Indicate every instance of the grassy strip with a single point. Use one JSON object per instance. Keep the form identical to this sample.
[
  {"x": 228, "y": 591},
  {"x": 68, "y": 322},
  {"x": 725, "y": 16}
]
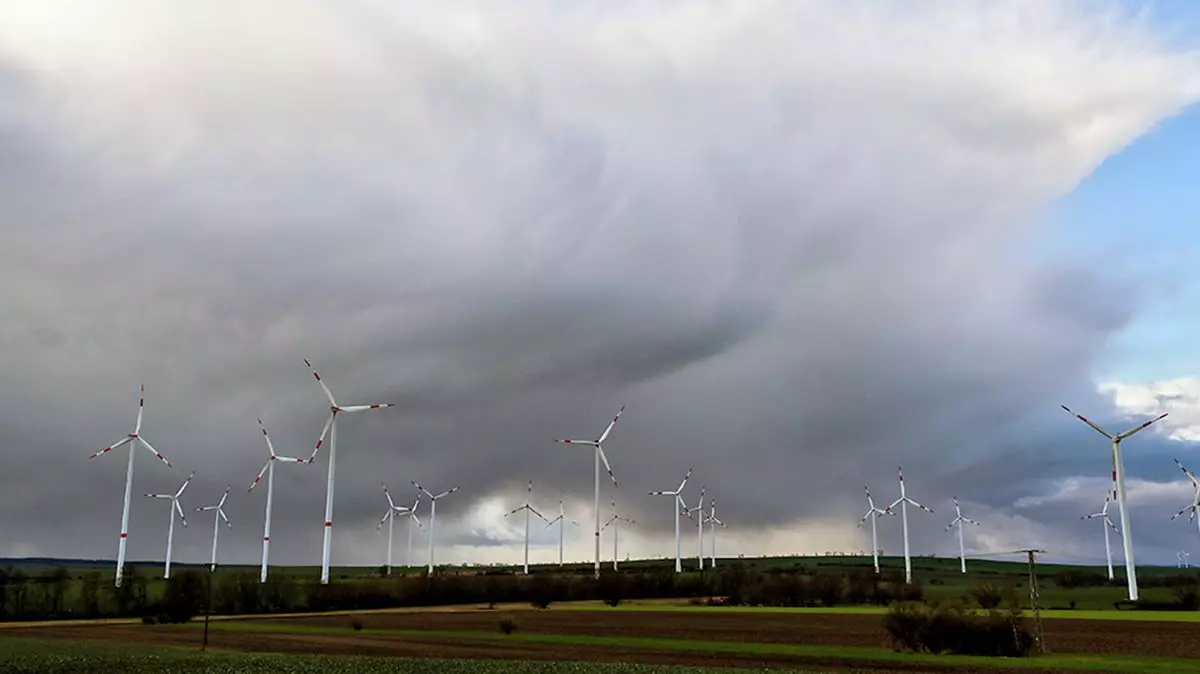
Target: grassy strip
[
  {"x": 58, "y": 656},
  {"x": 851, "y": 655},
  {"x": 1049, "y": 614}
]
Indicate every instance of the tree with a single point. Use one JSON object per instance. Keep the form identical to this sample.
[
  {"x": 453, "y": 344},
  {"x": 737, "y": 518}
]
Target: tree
[{"x": 89, "y": 593}]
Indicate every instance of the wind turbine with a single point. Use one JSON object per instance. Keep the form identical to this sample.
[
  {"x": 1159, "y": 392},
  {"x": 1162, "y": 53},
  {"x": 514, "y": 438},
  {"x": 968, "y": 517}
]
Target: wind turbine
[
  {"x": 1118, "y": 472},
  {"x": 269, "y": 469},
  {"x": 390, "y": 518},
  {"x": 598, "y": 444},
  {"x": 562, "y": 519},
  {"x": 699, "y": 525},
  {"x": 217, "y": 517},
  {"x": 1182, "y": 556},
  {"x": 1191, "y": 509},
  {"x": 874, "y": 512},
  {"x": 134, "y": 437},
  {"x": 904, "y": 502},
  {"x": 433, "y": 514},
  {"x": 530, "y": 509},
  {"x": 175, "y": 508},
  {"x": 614, "y": 522},
  {"x": 960, "y": 520},
  {"x": 677, "y": 505},
  {"x": 331, "y": 429},
  {"x": 1107, "y": 524},
  {"x": 712, "y": 533}
]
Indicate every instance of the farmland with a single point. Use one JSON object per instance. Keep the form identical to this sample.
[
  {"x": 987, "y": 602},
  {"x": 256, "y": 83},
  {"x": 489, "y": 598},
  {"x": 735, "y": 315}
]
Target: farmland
[{"x": 653, "y": 634}]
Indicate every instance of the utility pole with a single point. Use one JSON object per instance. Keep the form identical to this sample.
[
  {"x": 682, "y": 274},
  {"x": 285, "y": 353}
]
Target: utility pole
[{"x": 1038, "y": 634}]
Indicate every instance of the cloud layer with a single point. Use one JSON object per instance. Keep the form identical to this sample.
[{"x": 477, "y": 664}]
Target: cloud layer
[{"x": 790, "y": 237}]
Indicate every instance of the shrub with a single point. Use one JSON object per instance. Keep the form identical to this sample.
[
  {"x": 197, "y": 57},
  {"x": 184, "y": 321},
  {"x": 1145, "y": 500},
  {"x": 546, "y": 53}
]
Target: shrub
[
  {"x": 1072, "y": 604},
  {"x": 1188, "y": 596},
  {"x": 986, "y": 595},
  {"x": 613, "y": 601},
  {"x": 147, "y": 620},
  {"x": 540, "y": 602},
  {"x": 952, "y": 628},
  {"x": 507, "y": 626},
  {"x": 356, "y": 624}
]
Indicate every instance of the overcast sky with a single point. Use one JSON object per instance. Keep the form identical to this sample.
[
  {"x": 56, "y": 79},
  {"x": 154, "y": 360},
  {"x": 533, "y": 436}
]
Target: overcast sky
[{"x": 793, "y": 238}]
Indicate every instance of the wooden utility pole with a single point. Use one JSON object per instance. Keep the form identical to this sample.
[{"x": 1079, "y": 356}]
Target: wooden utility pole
[{"x": 1034, "y": 604}]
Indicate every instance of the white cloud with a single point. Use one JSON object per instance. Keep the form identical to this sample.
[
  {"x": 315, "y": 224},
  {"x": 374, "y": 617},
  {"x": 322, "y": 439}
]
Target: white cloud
[
  {"x": 1087, "y": 493},
  {"x": 1180, "y": 398}
]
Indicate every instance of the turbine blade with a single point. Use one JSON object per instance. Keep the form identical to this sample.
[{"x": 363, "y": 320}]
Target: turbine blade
[
  {"x": 1187, "y": 472},
  {"x": 535, "y": 512},
  {"x": 413, "y": 515},
  {"x": 258, "y": 478},
  {"x": 324, "y": 431},
  {"x": 223, "y": 497},
  {"x": 612, "y": 423},
  {"x": 912, "y": 502},
  {"x": 1087, "y": 421},
  {"x": 1136, "y": 429},
  {"x": 606, "y": 466},
  {"x": 270, "y": 447},
  {"x": 127, "y": 439},
  {"x": 447, "y": 492},
  {"x": 159, "y": 495},
  {"x": 514, "y": 511},
  {"x": 154, "y": 451},
  {"x": 137, "y": 428},
  {"x": 387, "y": 515},
  {"x": 360, "y": 408},
  {"x": 591, "y": 443},
  {"x": 179, "y": 509},
  {"x": 185, "y": 483},
  {"x": 386, "y": 493},
  {"x": 222, "y": 514},
  {"x": 870, "y": 501},
  {"x": 686, "y": 475},
  {"x": 422, "y": 489},
  {"x": 332, "y": 402},
  {"x": 290, "y": 459}
]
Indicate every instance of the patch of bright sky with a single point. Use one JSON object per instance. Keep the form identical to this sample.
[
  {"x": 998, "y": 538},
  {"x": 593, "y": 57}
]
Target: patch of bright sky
[{"x": 1140, "y": 211}]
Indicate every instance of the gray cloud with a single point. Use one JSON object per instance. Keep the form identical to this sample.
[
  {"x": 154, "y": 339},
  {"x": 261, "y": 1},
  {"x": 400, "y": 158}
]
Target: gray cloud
[{"x": 791, "y": 238}]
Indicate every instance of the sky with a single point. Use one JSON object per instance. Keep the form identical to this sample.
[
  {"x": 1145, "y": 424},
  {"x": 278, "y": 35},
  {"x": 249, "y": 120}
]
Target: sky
[{"x": 802, "y": 243}]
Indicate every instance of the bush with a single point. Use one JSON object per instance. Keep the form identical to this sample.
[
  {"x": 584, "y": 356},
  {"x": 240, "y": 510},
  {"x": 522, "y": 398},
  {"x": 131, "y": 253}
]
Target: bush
[
  {"x": 507, "y": 626},
  {"x": 954, "y": 629},
  {"x": 147, "y": 620},
  {"x": 540, "y": 602},
  {"x": 356, "y": 624},
  {"x": 986, "y": 595},
  {"x": 1188, "y": 596}
]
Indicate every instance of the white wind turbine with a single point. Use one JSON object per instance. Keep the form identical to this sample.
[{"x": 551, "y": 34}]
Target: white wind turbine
[
  {"x": 874, "y": 512},
  {"x": 614, "y": 522},
  {"x": 712, "y": 533},
  {"x": 904, "y": 501},
  {"x": 699, "y": 525},
  {"x": 1118, "y": 472},
  {"x": 432, "y": 515},
  {"x": 1107, "y": 524},
  {"x": 390, "y": 518},
  {"x": 175, "y": 508},
  {"x": 530, "y": 509},
  {"x": 1191, "y": 509},
  {"x": 960, "y": 521},
  {"x": 269, "y": 469},
  {"x": 217, "y": 517},
  {"x": 598, "y": 444},
  {"x": 677, "y": 505},
  {"x": 411, "y": 512},
  {"x": 1182, "y": 556},
  {"x": 134, "y": 437},
  {"x": 331, "y": 429},
  {"x": 562, "y": 519}
]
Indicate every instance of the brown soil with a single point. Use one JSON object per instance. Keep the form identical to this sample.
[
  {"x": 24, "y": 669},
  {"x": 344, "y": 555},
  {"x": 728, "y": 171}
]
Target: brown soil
[{"x": 1063, "y": 636}]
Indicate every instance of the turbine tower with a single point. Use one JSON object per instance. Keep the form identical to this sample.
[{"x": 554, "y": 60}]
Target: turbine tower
[
  {"x": 562, "y": 519},
  {"x": 411, "y": 512},
  {"x": 136, "y": 438},
  {"x": 904, "y": 501},
  {"x": 699, "y": 525},
  {"x": 677, "y": 506},
  {"x": 331, "y": 429},
  {"x": 598, "y": 445},
  {"x": 269, "y": 469},
  {"x": 712, "y": 532},
  {"x": 1106, "y": 525},
  {"x": 433, "y": 514},
  {"x": 1118, "y": 472},
  {"x": 960, "y": 521},
  {"x": 874, "y": 512},
  {"x": 614, "y": 522},
  {"x": 217, "y": 517},
  {"x": 1191, "y": 509},
  {"x": 175, "y": 508},
  {"x": 530, "y": 509},
  {"x": 390, "y": 518}
]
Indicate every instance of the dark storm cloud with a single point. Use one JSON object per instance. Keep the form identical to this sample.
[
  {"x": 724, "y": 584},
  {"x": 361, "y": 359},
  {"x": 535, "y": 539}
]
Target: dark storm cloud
[{"x": 799, "y": 263}]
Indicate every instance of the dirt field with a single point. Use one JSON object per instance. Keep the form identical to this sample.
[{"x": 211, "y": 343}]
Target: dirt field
[{"x": 1063, "y": 636}]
